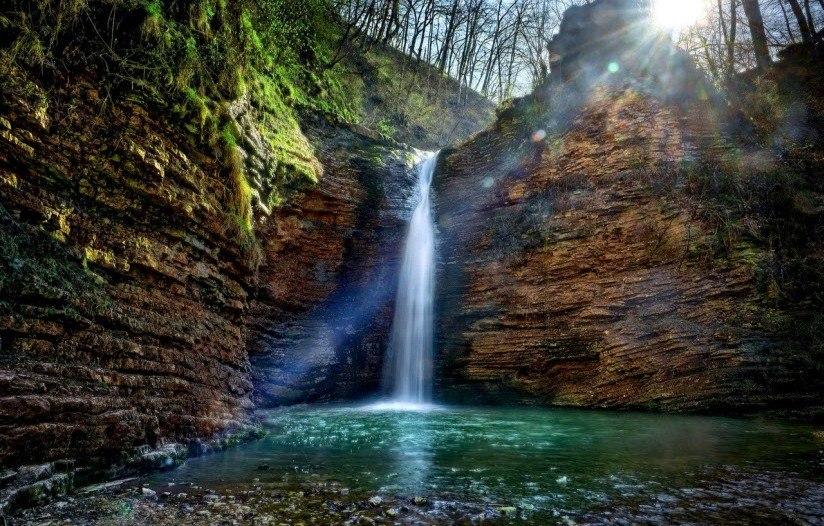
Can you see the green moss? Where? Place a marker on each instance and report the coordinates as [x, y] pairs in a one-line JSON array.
[[153, 24], [32, 263], [385, 127], [241, 213], [199, 105], [196, 56]]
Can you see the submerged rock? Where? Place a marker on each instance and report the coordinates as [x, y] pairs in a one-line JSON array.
[[722, 495]]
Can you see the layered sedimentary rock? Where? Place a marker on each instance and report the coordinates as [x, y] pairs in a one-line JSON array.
[[123, 297], [129, 308], [320, 320], [577, 267]]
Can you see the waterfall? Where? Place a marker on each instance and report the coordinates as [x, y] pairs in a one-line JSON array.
[[408, 372]]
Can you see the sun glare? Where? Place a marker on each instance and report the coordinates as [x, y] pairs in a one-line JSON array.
[[677, 15]]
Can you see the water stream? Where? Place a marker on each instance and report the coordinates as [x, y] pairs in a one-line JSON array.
[[408, 371]]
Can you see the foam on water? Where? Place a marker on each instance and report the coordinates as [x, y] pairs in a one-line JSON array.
[[399, 405]]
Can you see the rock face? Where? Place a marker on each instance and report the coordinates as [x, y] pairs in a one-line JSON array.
[[575, 267], [121, 314], [321, 318], [127, 312]]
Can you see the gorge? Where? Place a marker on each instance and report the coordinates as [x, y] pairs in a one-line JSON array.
[[234, 288]]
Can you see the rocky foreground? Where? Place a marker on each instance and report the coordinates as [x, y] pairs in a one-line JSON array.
[[722, 496]]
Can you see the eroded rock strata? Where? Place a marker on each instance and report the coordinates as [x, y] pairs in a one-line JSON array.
[[130, 310], [321, 317], [580, 266]]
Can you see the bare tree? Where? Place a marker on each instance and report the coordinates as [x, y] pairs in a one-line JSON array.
[[499, 47], [803, 22], [752, 9]]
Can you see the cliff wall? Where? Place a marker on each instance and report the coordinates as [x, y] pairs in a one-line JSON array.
[[586, 258], [130, 309]]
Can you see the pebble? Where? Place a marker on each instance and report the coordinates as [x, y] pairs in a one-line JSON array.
[[271, 503], [149, 493]]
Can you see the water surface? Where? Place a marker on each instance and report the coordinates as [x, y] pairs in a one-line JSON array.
[[539, 460]]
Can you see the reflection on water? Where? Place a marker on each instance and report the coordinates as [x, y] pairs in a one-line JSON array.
[[532, 458], [411, 451]]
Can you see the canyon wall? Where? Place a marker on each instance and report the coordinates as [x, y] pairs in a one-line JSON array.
[[579, 265], [122, 302], [129, 310], [320, 320]]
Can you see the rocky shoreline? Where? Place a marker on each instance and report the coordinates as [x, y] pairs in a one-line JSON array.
[[723, 496], [40, 485]]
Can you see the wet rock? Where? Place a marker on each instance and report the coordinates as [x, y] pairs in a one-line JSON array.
[[165, 457], [773, 497], [39, 492], [106, 485], [148, 493]]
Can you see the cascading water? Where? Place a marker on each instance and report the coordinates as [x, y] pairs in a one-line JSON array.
[[408, 373]]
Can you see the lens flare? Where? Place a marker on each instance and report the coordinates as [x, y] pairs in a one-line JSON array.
[[676, 15]]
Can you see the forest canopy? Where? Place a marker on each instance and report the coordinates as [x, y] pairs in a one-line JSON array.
[[499, 48]]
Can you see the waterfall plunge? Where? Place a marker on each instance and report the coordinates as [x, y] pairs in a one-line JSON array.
[[408, 372]]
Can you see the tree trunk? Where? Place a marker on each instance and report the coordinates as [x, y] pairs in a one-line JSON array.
[[752, 9], [811, 22], [806, 35], [729, 36], [790, 33], [448, 36]]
